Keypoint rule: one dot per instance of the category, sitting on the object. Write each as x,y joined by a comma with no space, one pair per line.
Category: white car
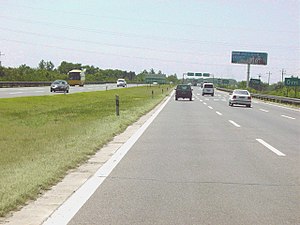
208,89
121,83
240,97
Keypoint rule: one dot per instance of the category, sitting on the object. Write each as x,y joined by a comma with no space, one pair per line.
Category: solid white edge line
280,106
270,147
72,205
288,117
234,123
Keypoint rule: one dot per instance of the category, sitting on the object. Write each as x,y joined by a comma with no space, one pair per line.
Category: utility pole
0,58
282,73
269,73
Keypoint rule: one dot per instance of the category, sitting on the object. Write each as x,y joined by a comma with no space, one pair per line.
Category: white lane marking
270,147
210,107
288,117
220,114
264,110
204,103
201,100
73,204
207,99
15,93
234,123
216,99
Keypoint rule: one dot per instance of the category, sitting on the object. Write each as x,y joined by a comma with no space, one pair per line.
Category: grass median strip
41,138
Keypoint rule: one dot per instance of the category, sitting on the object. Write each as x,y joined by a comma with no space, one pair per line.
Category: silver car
60,85
240,97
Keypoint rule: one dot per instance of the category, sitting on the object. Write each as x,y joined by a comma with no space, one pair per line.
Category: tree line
46,71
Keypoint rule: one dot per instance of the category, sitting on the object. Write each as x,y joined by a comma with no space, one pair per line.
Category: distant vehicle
76,77
240,97
183,91
121,83
155,83
60,85
208,89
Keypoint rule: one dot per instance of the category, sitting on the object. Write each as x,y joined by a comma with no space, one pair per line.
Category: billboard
255,58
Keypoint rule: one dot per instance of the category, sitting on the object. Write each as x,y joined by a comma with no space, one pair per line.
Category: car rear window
208,86
242,92
184,87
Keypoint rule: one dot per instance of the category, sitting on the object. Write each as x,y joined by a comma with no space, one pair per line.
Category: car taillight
234,97
249,97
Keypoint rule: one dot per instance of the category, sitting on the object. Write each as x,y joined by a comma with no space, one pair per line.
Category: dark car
183,91
60,85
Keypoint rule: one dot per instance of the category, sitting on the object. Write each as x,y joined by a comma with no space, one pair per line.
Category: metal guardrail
7,84
272,98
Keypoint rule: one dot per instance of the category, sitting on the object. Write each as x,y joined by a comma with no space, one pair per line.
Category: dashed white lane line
15,93
277,152
210,107
288,117
204,103
264,110
220,114
234,123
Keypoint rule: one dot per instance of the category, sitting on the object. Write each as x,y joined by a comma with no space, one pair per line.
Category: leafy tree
173,78
49,66
152,71
42,65
65,67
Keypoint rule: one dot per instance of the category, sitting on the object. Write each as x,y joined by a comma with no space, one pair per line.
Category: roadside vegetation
277,89
46,71
43,137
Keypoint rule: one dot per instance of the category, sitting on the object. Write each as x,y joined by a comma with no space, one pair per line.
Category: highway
201,162
40,91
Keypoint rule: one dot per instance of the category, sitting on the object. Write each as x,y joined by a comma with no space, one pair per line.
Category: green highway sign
198,74
255,81
292,82
206,74
190,74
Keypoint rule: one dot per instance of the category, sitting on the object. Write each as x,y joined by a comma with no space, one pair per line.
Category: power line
128,56
120,46
152,38
139,20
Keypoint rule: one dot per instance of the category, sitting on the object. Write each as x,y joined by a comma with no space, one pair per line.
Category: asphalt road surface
39,91
204,162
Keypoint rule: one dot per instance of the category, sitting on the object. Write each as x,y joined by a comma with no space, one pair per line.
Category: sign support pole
248,74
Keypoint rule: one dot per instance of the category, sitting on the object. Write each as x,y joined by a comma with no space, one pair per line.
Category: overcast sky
172,36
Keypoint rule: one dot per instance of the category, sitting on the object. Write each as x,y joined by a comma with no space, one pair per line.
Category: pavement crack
202,182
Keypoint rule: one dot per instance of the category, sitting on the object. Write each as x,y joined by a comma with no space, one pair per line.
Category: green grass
41,138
